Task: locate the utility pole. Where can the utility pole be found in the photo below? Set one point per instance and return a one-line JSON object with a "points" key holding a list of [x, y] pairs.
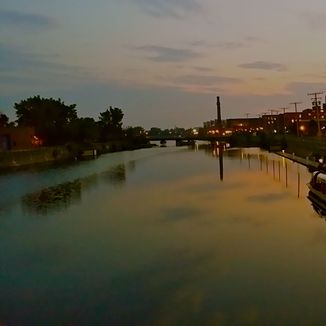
{"points": [[247, 117], [315, 102], [284, 127], [296, 115]]}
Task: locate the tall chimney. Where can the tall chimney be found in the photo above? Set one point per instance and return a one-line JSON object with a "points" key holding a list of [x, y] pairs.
{"points": [[218, 107]]}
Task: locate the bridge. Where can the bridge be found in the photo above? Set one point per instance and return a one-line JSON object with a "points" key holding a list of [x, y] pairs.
{"points": [[187, 140], [190, 138]]}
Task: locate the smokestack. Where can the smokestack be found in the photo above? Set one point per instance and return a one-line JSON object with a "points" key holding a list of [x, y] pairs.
{"points": [[218, 107]]}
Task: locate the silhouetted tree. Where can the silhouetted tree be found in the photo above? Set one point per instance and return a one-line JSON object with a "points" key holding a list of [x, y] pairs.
{"points": [[155, 132], [166, 132], [84, 130], [135, 132], [4, 120], [50, 118], [312, 128], [111, 123]]}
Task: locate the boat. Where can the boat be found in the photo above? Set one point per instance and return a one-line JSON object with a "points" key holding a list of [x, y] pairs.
{"points": [[317, 191]]}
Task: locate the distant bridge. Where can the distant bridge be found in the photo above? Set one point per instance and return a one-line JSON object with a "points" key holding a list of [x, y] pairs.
{"points": [[190, 138]]}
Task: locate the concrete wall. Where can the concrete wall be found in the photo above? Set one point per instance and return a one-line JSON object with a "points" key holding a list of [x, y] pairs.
{"points": [[18, 158]]}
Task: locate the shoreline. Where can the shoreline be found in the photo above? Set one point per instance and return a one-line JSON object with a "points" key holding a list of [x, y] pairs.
{"points": [[18, 160]]}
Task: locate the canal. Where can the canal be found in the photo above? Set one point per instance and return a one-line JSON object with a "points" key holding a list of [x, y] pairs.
{"points": [[162, 237]]}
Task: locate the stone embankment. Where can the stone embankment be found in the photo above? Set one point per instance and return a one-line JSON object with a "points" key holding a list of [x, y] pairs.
{"points": [[44, 155]]}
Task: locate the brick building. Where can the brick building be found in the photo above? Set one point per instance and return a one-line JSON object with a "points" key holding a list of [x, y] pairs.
{"points": [[15, 138]]}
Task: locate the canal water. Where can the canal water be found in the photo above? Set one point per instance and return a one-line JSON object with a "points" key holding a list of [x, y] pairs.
{"points": [[162, 236]]}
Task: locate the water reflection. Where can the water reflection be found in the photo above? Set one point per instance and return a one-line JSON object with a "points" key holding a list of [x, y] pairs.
{"points": [[61, 196], [171, 247], [178, 213], [132, 165], [269, 197], [57, 197], [217, 150], [115, 175]]}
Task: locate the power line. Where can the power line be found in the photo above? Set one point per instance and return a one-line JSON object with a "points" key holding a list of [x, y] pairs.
{"points": [[316, 98]]}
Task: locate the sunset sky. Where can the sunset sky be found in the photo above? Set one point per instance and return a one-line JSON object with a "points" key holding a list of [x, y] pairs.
{"points": [[163, 62]]}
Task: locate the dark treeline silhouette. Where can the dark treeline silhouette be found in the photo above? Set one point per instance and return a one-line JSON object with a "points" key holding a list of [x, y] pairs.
{"points": [[56, 123]]}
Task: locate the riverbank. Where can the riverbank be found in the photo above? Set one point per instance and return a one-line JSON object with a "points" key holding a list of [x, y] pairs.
{"points": [[303, 161], [17, 159], [312, 147], [305, 150]]}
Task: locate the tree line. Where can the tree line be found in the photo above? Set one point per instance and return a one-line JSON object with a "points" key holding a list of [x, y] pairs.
{"points": [[57, 123]]}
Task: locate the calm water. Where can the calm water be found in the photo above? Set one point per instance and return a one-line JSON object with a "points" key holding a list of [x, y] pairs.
{"points": [[155, 237]]}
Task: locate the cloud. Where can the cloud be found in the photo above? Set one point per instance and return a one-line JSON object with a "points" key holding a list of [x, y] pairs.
{"points": [[315, 20], [166, 54], [320, 75], [26, 20], [205, 69], [228, 45], [305, 87], [13, 59], [22, 69], [232, 45], [263, 65], [168, 8], [206, 80], [254, 39]]}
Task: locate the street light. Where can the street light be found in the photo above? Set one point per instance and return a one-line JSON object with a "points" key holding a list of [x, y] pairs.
{"points": [[296, 115]]}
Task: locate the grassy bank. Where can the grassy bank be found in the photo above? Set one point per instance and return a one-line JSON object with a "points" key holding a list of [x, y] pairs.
{"points": [[306, 146]]}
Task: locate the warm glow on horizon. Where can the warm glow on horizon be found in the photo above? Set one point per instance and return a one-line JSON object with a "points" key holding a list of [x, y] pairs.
{"points": [[163, 62]]}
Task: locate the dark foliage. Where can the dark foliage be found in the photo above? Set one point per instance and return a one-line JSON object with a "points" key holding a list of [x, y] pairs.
{"points": [[51, 118]]}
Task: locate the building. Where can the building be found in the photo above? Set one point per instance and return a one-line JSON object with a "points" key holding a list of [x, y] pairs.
{"points": [[297, 123], [244, 124], [16, 138]]}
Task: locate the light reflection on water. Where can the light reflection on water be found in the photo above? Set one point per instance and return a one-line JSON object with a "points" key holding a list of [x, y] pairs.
{"points": [[157, 238]]}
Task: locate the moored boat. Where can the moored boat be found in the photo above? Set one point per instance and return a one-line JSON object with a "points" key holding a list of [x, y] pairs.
{"points": [[317, 190]]}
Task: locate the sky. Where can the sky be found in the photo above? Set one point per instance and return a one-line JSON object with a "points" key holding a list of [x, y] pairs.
{"points": [[163, 62]]}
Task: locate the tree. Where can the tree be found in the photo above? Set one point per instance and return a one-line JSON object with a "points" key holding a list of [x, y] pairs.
{"points": [[4, 120], [135, 132], [313, 128], [155, 132], [84, 130], [111, 123], [50, 118]]}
